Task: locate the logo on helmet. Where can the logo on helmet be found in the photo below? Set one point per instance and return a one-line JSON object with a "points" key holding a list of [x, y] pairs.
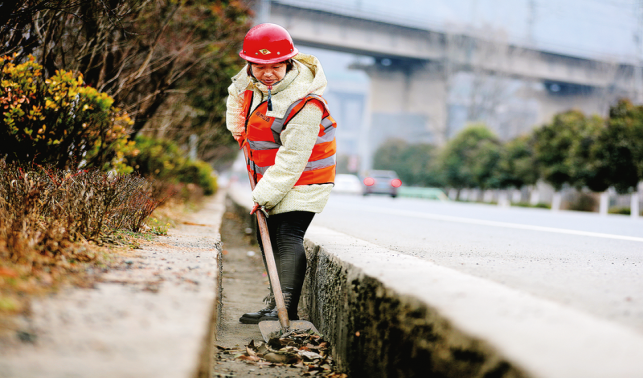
{"points": [[264, 51]]}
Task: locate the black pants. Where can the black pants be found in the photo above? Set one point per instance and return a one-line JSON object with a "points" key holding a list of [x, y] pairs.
{"points": [[287, 238]]}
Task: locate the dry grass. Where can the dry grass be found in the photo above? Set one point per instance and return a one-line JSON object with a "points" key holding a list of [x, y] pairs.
{"points": [[64, 227], [55, 224]]}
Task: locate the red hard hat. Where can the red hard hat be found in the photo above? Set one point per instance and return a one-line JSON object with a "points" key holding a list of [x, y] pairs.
{"points": [[266, 44]]}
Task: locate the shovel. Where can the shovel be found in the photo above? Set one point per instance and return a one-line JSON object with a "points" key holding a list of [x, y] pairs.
{"points": [[270, 328]]}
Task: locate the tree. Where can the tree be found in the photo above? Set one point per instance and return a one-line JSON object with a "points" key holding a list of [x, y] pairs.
{"points": [[415, 164], [552, 145], [563, 151], [618, 153], [620, 147], [484, 163], [517, 166], [469, 159], [586, 156], [148, 56]]}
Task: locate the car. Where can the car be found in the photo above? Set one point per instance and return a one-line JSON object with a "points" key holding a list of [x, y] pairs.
{"points": [[381, 182], [348, 184]]}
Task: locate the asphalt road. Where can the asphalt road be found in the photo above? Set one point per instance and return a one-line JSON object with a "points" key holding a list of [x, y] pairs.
{"points": [[583, 260]]}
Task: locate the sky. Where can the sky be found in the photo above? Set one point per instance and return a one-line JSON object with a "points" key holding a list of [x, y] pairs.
{"points": [[603, 29]]}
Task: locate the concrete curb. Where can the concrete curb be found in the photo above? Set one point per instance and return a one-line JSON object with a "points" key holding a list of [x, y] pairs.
{"points": [[393, 315], [154, 317], [415, 316]]}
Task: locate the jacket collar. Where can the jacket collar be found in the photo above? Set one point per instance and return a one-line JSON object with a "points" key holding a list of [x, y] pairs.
{"points": [[284, 83], [306, 77]]}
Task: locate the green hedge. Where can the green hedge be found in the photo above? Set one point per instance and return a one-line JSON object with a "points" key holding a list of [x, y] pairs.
{"points": [[164, 160]]}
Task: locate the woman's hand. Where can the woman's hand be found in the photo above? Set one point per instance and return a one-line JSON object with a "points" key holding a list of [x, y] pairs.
{"points": [[257, 207]]}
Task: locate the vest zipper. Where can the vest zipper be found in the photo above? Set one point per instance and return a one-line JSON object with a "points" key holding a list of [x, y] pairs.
{"points": [[270, 98]]}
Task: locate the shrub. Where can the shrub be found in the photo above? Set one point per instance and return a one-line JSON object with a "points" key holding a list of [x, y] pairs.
{"points": [[563, 151], [415, 164], [199, 173], [44, 211], [517, 166], [59, 120], [620, 210], [47, 217], [470, 159], [619, 149], [540, 205], [583, 202], [163, 160]]}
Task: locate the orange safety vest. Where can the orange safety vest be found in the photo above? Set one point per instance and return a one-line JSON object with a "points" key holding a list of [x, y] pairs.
{"points": [[262, 140]]}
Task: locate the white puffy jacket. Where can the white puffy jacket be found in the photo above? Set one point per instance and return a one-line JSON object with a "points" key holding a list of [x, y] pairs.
{"points": [[276, 190]]}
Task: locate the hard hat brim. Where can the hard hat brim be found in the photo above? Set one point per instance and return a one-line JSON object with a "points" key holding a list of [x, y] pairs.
{"points": [[278, 59]]}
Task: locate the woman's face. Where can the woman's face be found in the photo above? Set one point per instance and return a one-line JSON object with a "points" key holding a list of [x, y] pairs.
{"points": [[269, 74]]}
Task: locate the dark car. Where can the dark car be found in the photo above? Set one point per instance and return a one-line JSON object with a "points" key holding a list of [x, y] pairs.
{"points": [[381, 182]]}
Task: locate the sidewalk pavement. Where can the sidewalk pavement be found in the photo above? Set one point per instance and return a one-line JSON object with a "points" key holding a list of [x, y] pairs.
{"points": [[153, 316]]}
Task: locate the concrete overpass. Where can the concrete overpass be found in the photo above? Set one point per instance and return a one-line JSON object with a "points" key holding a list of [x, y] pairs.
{"points": [[412, 79]]}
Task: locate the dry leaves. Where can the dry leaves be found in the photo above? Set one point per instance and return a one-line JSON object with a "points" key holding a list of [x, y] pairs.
{"points": [[305, 350]]}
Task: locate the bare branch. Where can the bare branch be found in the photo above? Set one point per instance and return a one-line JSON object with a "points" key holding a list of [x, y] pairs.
{"points": [[156, 41]]}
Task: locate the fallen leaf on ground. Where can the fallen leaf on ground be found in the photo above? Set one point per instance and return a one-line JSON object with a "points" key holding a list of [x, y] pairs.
{"points": [[249, 358], [301, 349], [250, 351], [279, 358], [309, 355]]}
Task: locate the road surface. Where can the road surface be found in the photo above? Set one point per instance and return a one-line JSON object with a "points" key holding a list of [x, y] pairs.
{"points": [[589, 262]]}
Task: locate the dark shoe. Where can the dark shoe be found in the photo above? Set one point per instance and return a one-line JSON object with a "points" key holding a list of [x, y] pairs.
{"points": [[272, 315], [255, 317]]}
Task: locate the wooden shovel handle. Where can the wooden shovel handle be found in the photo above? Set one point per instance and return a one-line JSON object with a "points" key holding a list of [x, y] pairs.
{"points": [[282, 313]]}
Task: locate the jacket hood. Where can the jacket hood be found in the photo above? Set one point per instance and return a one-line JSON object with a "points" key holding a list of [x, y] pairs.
{"points": [[306, 77]]}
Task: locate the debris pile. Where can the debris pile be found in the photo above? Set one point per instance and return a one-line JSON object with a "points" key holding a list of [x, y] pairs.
{"points": [[306, 350]]}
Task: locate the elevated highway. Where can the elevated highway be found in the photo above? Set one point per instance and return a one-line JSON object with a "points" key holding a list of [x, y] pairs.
{"points": [[414, 76], [339, 32]]}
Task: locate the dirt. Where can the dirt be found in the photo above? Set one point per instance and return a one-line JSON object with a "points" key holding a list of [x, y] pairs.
{"points": [[245, 284]]}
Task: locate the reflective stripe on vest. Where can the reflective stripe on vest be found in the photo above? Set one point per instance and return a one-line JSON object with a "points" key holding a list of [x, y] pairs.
{"points": [[322, 163], [263, 135], [263, 145], [310, 166]]}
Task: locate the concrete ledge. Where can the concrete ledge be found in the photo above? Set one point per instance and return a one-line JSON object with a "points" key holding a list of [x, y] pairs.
{"points": [[394, 315], [154, 317]]}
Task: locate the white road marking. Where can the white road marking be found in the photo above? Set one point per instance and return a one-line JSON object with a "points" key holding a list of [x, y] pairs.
{"points": [[505, 224]]}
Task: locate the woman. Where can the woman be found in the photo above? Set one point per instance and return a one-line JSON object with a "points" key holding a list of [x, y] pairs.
{"points": [[275, 111]]}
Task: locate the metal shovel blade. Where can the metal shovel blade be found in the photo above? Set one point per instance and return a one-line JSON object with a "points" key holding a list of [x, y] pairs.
{"points": [[272, 329]]}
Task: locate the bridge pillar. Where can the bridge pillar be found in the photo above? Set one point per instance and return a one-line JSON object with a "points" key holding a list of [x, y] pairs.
{"points": [[408, 100]]}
